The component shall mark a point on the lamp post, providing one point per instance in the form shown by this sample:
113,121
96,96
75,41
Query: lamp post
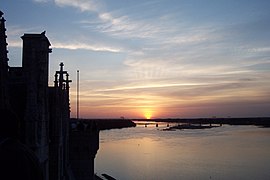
78,95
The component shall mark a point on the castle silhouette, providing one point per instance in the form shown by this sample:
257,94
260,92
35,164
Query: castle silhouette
37,140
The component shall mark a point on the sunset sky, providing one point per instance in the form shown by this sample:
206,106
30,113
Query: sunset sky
154,58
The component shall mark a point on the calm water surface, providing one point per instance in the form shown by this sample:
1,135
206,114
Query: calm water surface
227,152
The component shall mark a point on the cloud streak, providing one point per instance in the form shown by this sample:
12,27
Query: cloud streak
79,45
83,5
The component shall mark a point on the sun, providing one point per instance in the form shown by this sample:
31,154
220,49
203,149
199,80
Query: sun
147,114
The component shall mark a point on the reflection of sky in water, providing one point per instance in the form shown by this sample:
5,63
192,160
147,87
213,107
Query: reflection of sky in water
227,152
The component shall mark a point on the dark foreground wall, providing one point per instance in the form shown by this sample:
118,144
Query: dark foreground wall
84,145
104,124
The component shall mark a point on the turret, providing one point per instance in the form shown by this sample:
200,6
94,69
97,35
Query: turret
59,125
36,119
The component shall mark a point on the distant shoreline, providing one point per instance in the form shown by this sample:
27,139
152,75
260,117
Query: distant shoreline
106,124
257,121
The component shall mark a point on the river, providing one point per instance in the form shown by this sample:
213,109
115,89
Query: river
226,152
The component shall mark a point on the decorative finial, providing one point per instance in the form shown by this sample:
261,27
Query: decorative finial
43,33
1,13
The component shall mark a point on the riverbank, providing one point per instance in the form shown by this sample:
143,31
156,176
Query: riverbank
189,126
257,121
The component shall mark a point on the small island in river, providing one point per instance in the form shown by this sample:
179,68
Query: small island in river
189,126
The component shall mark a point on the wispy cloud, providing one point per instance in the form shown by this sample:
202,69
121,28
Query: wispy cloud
83,5
70,45
79,45
152,86
116,24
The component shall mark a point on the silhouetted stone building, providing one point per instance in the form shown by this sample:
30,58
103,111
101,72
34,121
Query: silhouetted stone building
44,112
3,64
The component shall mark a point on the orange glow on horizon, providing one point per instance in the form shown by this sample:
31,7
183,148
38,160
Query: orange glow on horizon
148,114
